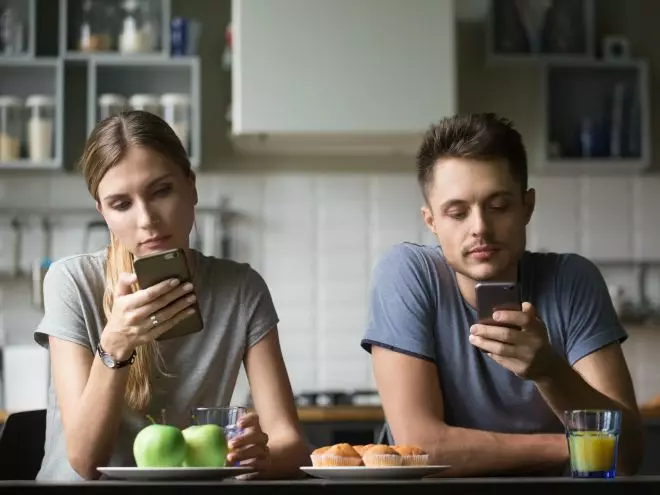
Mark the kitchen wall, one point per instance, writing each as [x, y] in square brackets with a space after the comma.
[316, 236]
[314, 233]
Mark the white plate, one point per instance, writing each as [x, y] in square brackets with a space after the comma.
[152, 474]
[382, 473]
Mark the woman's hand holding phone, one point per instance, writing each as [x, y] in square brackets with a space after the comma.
[140, 317]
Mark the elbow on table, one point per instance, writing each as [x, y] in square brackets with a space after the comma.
[83, 467]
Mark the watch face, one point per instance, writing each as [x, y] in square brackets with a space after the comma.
[108, 361]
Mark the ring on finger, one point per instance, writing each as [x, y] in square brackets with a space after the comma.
[154, 320]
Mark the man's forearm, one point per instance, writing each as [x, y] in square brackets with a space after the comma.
[567, 390]
[477, 453]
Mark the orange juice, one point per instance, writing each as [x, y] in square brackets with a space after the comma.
[592, 451]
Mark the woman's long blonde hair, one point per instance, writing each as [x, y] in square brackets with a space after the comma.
[106, 146]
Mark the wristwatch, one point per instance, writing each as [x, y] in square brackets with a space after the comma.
[112, 363]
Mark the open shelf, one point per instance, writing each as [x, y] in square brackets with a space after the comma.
[597, 116]
[22, 78]
[563, 31]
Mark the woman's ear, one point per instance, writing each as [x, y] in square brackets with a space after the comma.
[193, 183]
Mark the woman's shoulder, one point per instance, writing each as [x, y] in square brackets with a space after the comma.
[77, 268]
[226, 273]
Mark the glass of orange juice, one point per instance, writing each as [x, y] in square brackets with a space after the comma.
[593, 442]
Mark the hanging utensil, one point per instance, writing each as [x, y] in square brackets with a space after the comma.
[17, 229]
[41, 265]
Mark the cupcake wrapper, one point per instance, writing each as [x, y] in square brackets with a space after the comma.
[337, 460]
[317, 460]
[416, 460]
[384, 460]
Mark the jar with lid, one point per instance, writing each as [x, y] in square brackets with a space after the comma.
[11, 125]
[111, 104]
[138, 30]
[96, 29]
[176, 112]
[146, 102]
[41, 124]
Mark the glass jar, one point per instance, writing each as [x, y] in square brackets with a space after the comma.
[176, 112]
[96, 26]
[146, 102]
[138, 31]
[41, 124]
[111, 104]
[11, 125]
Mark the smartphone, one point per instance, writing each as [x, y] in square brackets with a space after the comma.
[153, 269]
[494, 296]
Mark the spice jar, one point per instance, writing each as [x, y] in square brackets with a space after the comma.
[11, 124]
[176, 112]
[40, 127]
[146, 102]
[111, 104]
[96, 26]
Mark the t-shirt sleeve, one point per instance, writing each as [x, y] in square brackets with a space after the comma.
[63, 312]
[401, 309]
[260, 312]
[592, 322]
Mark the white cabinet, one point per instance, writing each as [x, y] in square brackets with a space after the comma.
[363, 74]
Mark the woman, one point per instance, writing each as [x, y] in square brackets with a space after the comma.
[140, 177]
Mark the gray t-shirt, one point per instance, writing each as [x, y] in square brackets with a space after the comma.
[237, 311]
[416, 308]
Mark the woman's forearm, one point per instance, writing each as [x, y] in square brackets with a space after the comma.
[288, 452]
[92, 434]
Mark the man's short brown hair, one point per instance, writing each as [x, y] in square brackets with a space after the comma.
[475, 136]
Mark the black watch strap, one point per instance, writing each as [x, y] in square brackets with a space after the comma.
[110, 362]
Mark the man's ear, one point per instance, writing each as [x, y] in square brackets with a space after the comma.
[529, 200]
[429, 219]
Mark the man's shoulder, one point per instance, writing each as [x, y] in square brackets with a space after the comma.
[411, 254]
[561, 265]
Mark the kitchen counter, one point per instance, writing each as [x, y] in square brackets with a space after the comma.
[315, 414]
[539, 486]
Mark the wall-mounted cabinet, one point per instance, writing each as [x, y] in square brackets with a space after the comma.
[537, 30]
[83, 51]
[597, 117]
[340, 76]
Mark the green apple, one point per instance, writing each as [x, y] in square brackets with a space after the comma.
[159, 446]
[206, 446]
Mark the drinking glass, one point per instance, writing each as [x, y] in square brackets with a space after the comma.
[593, 442]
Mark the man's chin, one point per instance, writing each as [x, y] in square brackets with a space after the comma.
[483, 272]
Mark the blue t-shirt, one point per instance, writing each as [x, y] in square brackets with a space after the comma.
[416, 308]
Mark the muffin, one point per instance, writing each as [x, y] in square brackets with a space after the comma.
[361, 449]
[381, 456]
[412, 456]
[341, 454]
[317, 456]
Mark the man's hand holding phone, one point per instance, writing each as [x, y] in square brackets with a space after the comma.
[140, 317]
[520, 345]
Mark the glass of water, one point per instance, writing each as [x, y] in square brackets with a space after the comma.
[227, 417]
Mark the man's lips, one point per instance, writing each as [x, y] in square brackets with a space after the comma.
[483, 249]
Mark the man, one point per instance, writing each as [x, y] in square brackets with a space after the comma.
[489, 399]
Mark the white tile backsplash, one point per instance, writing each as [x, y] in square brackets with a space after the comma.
[315, 238]
[606, 223]
[555, 224]
[646, 209]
